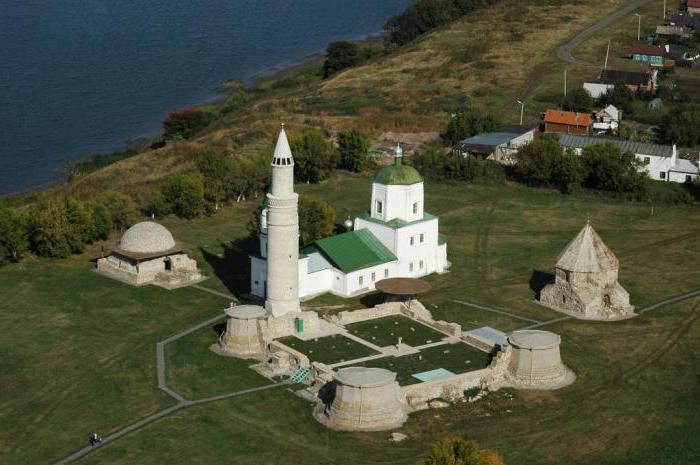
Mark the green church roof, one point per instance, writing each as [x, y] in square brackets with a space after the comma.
[397, 174]
[352, 250]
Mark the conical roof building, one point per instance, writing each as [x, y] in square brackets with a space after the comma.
[585, 283]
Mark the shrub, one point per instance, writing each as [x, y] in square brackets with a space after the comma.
[467, 123]
[314, 157]
[682, 126]
[353, 146]
[457, 451]
[340, 55]
[608, 168]
[152, 203]
[185, 193]
[14, 233]
[435, 165]
[183, 124]
[122, 209]
[578, 100]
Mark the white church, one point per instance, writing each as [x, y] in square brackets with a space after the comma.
[395, 238]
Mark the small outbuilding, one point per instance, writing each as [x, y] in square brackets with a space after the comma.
[535, 359]
[585, 283]
[242, 336]
[364, 399]
[148, 254]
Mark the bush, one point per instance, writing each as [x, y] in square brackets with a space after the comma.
[682, 126]
[122, 209]
[14, 233]
[435, 165]
[546, 162]
[578, 100]
[353, 146]
[340, 55]
[185, 193]
[183, 124]
[608, 168]
[314, 157]
[316, 220]
[456, 451]
[468, 123]
[152, 203]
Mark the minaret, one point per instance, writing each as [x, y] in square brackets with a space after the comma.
[282, 234]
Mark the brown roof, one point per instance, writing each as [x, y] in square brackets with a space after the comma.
[402, 286]
[693, 3]
[569, 118]
[647, 49]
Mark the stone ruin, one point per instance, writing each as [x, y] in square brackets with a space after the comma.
[586, 284]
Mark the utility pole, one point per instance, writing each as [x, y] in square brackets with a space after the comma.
[664, 9]
[522, 109]
[565, 70]
[639, 26]
[607, 54]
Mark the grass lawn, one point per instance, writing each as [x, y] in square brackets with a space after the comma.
[330, 349]
[386, 331]
[77, 350]
[195, 371]
[457, 358]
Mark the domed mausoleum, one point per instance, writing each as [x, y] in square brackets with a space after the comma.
[148, 254]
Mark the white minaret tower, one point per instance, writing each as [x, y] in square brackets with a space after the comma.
[282, 234]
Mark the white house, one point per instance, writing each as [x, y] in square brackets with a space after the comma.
[607, 119]
[395, 238]
[660, 162]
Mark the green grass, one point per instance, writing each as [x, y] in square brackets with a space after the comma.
[386, 331]
[457, 358]
[329, 349]
[77, 350]
[195, 371]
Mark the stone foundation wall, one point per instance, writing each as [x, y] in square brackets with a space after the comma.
[417, 311]
[418, 395]
[365, 314]
[298, 358]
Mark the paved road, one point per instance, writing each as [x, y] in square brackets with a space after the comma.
[565, 51]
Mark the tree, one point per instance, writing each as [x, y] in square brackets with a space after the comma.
[14, 232]
[579, 99]
[50, 230]
[354, 150]
[433, 164]
[316, 220]
[682, 126]
[314, 157]
[609, 168]
[340, 55]
[546, 162]
[215, 166]
[456, 451]
[183, 124]
[153, 204]
[468, 123]
[185, 192]
[122, 208]
[621, 96]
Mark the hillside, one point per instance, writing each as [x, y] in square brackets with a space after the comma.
[489, 59]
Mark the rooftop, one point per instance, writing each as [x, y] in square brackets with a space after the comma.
[587, 253]
[365, 377]
[611, 76]
[641, 148]
[647, 49]
[534, 339]
[570, 118]
[353, 250]
[245, 312]
[397, 174]
[491, 139]
[396, 223]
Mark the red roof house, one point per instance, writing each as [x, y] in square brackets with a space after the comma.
[567, 122]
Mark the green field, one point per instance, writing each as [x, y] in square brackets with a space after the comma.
[386, 331]
[330, 349]
[457, 358]
[77, 350]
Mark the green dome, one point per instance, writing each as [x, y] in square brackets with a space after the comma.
[397, 174]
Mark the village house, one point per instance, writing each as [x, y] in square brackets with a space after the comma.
[694, 7]
[499, 146]
[607, 119]
[567, 122]
[673, 32]
[635, 80]
[660, 162]
[652, 54]
[682, 18]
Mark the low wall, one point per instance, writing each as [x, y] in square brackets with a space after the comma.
[302, 359]
[478, 342]
[322, 372]
[355, 316]
[452, 388]
[417, 311]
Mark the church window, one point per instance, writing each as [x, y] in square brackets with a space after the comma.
[415, 208]
[422, 238]
[410, 267]
[413, 240]
[379, 207]
[386, 272]
[374, 276]
[420, 264]
[647, 160]
[360, 280]
[662, 175]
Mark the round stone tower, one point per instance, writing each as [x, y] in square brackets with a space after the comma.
[282, 234]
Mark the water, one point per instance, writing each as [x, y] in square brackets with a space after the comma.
[81, 77]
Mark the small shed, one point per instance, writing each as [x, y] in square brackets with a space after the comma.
[535, 357]
[242, 336]
[365, 399]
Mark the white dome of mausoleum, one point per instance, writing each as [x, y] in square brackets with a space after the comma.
[147, 237]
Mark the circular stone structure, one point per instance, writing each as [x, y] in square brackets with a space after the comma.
[366, 399]
[242, 335]
[147, 237]
[535, 358]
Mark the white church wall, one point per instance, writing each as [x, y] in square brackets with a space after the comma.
[397, 202]
[411, 251]
[385, 234]
[311, 284]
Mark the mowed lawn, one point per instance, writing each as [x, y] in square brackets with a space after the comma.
[77, 350]
[330, 349]
[386, 331]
